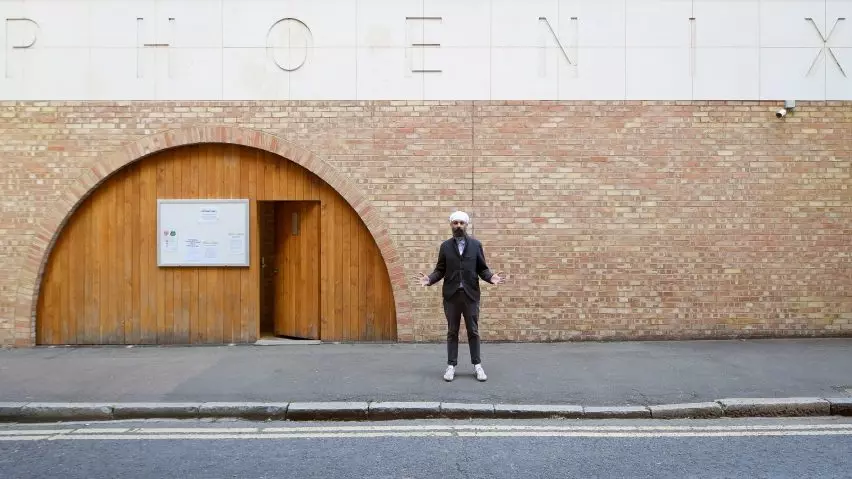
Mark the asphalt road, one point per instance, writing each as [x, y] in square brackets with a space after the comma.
[624, 373]
[818, 447]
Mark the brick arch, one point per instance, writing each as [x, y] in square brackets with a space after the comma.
[48, 231]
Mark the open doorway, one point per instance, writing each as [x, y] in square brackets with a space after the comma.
[290, 269]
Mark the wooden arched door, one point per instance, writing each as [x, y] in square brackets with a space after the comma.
[102, 284]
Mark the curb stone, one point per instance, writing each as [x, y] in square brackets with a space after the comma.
[466, 411]
[10, 409]
[523, 411]
[46, 411]
[314, 411]
[404, 410]
[771, 407]
[362, 411]
[243, 410]
[155, 410]
[839, 406]
[700, 410]
[616, 412]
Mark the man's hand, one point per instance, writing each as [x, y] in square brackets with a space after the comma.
[424, 280]
[498, 278]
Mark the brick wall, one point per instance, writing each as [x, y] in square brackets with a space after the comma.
[612, 219]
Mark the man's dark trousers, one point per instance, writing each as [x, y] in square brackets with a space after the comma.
[458, 305]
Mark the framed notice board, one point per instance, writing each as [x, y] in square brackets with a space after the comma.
[203, 232]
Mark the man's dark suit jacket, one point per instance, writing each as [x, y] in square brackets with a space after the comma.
[455, 268]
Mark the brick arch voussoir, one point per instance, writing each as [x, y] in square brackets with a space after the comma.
[48, 231]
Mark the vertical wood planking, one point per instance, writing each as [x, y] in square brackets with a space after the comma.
[300, 265]
[76, 252]
[61, 327]
[296, 267]
[299, 285]
[103, 213]
[374, 295]
[390, 304]
[279, 301]
[342, 298]
[148, 237]
[297, 306]
[55, 329]
[291, 278]
[89, 334]
[184, 277]
[133, 245]
[268, 178]
[176, 275]
[365, 280]
[162, 274]
[109, 320]
[117, 294]
[105, 234]
[286, 253]
[332, 245]
[314, 268]
[122, 307]
[125, 253]
[354, 320]
[251, 277]
[276, 189]
[120, 257]
[231, 185]
[324, 251]
[47, 303]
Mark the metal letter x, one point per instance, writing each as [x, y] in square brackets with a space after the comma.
[825, 45]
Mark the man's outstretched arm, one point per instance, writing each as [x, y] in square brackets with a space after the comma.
[481, 266]
[484, 272]
[440, 268]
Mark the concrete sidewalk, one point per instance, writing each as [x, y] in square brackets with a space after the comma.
[597, 374]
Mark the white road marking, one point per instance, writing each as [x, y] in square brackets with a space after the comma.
[847, 432]
[554, 428]
[438, 430]
[360, 428]
[187, 430]
[329, 435]
[102, 430]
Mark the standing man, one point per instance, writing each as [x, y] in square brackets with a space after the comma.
[461, 262]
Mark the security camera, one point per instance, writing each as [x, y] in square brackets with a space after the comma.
[789, 105]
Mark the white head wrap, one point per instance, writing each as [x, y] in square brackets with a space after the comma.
[460, 216]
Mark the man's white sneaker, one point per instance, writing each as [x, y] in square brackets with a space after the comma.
[480, 373]
[450, 373]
